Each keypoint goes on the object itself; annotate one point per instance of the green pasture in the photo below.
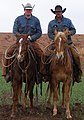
(6, 92)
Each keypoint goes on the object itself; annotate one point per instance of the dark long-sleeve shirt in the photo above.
(65, 23)
(22, 25)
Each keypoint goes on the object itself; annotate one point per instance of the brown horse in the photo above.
(24, 70)
(61, 70)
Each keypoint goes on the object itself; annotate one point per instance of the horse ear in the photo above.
(55, 32)
(17, 35)
(66, 32)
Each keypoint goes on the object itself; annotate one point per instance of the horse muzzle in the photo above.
(20, 58)
(60, 55)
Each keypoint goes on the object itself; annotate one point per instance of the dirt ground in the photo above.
(40, 111)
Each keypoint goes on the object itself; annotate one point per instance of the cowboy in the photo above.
(25, 24)
(61, 23)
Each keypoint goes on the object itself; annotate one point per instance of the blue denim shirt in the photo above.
(22, 25)
(60, 26)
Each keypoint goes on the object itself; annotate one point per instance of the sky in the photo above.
(10, 9)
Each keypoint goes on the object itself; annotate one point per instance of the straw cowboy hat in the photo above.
(28, 6)
(58, 8)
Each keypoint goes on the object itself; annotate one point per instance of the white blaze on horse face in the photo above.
(59, 52)
(60, 43)
(20, 48)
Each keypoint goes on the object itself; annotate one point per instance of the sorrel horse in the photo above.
(61, 70)
(24, 70)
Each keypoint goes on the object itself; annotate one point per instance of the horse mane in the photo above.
(60, 34)
(66, 54)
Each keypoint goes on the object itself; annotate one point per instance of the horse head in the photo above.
(60, 41)
(22, 47)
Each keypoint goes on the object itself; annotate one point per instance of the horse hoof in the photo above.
(32, 112)
(25, 107)
(47, 107)
(63, 106)
(12, 116)
(69, 117)
(54, 112)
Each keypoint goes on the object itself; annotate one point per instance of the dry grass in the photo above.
(81, 52)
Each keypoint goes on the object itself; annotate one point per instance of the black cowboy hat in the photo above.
(58, 8)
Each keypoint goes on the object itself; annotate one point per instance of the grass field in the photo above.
(76, 103)
(6, 92)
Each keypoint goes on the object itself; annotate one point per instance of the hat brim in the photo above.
(28, 8)
(58, 11)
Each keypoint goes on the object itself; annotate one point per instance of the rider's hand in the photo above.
(29, 37)
(67, 32)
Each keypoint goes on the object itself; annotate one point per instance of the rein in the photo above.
(8, 58)
(47, 61)
(9, 64)
(48, 55)
(26, 68)
(7, 52)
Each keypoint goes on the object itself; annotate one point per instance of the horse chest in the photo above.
(57, 67)
(59, 72)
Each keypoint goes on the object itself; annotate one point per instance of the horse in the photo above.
(61, 70)
(23, 70)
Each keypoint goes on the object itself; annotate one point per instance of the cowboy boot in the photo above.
(4, 71)
(77, 72)
(76, 64)
(80, 74)
(8, 77)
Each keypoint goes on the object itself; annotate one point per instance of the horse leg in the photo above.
(15, 97)
(19, 93)
(50, 96)
(55, 98)
(63, 104)
(25, 100)
(25, 97)
(67, 98)
(31, 98)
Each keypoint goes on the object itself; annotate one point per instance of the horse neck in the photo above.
(67, 56)
(27, 58)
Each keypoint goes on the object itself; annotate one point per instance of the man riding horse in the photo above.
(60, 23)
(25, 24)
